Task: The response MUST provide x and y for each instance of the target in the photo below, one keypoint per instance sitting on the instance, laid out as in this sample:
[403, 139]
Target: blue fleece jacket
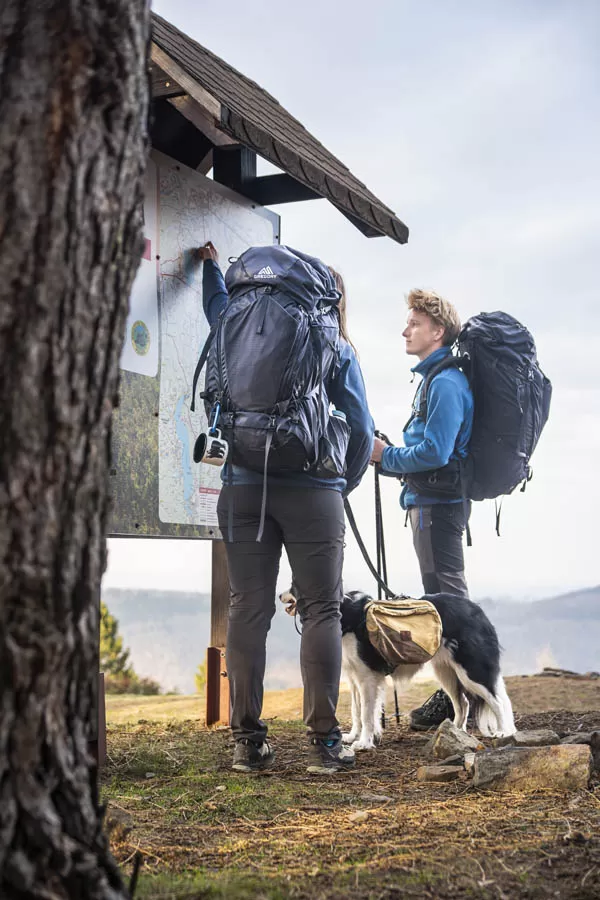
[346, 391]
[444, 436]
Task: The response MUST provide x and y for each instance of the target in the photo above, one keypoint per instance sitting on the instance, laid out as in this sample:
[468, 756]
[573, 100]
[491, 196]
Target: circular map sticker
[140, 337]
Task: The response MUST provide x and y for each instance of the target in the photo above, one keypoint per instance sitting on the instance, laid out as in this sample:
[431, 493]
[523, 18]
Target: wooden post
[217, 685]
[97, 738]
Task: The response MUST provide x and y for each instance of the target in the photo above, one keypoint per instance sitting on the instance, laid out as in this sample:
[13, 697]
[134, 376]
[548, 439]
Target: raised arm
[214, 292]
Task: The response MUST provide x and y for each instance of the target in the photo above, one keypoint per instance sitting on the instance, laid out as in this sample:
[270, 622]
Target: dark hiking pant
[438, 540]
[309, 523]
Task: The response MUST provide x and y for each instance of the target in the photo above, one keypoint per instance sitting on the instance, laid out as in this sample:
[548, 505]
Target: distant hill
[562, 631]
[168, 632]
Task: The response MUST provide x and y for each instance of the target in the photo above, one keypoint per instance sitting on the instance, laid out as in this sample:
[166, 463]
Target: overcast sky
[479, 124]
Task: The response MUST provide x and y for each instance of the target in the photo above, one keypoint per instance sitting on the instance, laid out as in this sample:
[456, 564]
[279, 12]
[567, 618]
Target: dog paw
[348, 737]
[363, 745]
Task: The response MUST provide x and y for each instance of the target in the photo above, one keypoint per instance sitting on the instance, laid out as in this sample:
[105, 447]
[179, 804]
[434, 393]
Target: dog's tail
[493, 714]
[486, 721]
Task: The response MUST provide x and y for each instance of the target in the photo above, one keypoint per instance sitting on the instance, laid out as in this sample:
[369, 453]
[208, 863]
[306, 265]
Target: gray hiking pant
[438, 540]
[309, 522]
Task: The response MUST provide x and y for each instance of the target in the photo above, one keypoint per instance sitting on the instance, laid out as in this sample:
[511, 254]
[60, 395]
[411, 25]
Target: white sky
[479, 124]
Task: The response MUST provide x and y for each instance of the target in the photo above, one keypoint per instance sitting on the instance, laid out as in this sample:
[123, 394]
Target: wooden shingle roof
[254, 118]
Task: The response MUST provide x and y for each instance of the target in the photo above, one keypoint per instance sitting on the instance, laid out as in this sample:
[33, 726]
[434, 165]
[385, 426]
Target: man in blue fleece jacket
[434, 444]
[306, 515]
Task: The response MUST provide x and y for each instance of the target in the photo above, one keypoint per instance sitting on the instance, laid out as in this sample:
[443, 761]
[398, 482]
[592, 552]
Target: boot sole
[328, 770]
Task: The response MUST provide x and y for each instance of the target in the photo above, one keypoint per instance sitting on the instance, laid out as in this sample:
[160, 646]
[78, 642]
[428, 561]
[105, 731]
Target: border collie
[467, 665]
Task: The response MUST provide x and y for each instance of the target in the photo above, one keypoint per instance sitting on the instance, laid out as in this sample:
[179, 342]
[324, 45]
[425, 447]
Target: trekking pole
[382, 567]
[380, 553]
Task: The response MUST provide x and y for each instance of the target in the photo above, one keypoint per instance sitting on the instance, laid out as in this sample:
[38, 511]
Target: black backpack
[511, 398]
[269, 360]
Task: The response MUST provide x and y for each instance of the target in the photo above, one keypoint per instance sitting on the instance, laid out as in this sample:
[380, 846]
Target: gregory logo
[265, 272]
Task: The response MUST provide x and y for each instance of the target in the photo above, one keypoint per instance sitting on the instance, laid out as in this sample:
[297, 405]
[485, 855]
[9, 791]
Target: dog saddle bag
[404, 631]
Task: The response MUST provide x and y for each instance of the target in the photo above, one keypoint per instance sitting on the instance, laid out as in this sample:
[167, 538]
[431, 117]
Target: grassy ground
[372, 834]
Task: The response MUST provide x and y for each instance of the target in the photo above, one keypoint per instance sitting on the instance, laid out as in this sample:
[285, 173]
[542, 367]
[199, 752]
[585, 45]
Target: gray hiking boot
[327, 756]
[432, 713]
[251, 757]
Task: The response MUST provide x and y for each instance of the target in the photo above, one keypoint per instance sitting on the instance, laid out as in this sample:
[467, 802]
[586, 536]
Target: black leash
[389, 593]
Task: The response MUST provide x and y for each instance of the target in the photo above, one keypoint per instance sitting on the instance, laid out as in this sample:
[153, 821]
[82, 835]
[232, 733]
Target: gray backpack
[270, 358]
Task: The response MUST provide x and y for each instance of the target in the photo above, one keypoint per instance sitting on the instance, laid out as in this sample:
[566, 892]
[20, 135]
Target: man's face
[422, 334]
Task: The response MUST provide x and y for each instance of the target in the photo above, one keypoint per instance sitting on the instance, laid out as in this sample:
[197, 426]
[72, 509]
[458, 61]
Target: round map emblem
[140, 337]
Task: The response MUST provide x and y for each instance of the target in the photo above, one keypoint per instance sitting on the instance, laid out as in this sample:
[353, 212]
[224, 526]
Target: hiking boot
[327, 756]
[432, 713]
[251, 757]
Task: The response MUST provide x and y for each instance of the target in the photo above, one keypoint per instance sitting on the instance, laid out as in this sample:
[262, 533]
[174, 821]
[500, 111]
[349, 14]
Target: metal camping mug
[211, 448]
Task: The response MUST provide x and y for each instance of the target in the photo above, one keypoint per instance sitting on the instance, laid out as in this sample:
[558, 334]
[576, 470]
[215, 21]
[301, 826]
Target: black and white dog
[467, 666]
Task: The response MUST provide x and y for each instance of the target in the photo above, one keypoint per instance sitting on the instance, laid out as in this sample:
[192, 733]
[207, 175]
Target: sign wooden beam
[217, 683]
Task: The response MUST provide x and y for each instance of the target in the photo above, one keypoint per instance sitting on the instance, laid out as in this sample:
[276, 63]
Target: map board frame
[182, 210]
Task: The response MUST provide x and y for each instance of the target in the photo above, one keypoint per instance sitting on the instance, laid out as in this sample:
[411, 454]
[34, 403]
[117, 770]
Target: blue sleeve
[445, 413]
[214, 292]
[347, 393]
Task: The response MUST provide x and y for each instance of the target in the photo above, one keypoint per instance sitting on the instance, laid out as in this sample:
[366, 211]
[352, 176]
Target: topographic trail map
[156, 486]
[191, 213]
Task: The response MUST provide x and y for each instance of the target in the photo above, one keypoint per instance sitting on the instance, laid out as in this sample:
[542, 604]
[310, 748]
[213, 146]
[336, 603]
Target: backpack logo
[266, 272]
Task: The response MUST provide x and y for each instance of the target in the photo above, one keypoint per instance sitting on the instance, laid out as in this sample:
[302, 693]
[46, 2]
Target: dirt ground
[371, 834]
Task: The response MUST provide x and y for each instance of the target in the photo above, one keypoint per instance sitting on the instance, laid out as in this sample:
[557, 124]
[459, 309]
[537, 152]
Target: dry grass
[373, 833]
[529, 694]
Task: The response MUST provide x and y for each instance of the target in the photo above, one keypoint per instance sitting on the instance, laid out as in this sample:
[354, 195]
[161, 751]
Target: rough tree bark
[73, 142]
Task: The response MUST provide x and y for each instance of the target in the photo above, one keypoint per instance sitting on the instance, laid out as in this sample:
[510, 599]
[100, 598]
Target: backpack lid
[502, 332]
[303, 278]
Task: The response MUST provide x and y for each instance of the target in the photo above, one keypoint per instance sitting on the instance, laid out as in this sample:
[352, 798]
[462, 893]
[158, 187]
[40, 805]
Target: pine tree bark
[73, 142]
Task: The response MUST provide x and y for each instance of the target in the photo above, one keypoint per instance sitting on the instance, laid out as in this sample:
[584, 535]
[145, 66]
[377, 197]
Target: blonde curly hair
[441, 311]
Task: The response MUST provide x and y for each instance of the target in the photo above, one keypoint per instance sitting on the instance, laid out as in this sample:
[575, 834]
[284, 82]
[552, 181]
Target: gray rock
[451, 741]
[360, 816]
[580, 737]
[456, 760]
[438, 773]
[368, 797]
[565, 767]
[544, 737]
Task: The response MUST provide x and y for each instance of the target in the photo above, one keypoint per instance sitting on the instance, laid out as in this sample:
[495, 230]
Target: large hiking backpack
[271, 355]
[511, 398]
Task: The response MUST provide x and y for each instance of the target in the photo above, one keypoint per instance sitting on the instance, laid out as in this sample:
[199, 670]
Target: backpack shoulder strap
[201, 361]
[450, 362]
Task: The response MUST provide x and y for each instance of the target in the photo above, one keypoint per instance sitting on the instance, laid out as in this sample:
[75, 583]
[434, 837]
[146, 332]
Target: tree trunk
[73, 142]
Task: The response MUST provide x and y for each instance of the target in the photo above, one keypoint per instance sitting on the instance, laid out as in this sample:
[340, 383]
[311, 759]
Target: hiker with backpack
[470, 436]
[285, 391]
[429, 463]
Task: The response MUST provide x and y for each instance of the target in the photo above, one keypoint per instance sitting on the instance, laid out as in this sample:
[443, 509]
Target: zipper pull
[265, 303]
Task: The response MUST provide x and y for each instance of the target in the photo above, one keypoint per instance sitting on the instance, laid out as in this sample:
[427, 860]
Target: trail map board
[157, 490]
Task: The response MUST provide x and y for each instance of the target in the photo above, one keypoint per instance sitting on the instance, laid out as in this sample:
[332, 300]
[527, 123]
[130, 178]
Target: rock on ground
[564, 767]
[451, 741]
[544, 737]
[438, 773]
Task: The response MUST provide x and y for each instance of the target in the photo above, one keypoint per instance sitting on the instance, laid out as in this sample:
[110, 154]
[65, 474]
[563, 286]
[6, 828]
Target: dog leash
[389, 593]
[379, 573]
